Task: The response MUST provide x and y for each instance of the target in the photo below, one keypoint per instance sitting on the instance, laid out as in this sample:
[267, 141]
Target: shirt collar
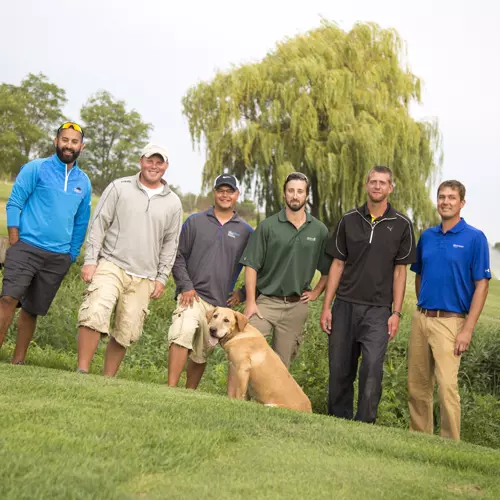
[166, 188]
[459, 226]
[389, 212]
[235, 218]
[283, 218]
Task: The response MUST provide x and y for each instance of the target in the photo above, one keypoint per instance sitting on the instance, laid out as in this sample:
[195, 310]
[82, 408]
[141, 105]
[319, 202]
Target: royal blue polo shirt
[449, 264]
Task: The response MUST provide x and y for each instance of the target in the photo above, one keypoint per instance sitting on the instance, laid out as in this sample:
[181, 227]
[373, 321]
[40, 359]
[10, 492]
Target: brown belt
[433, 313]
[285, 299]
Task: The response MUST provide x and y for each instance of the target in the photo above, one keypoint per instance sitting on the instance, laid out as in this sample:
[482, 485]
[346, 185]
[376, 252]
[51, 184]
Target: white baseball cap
[154, 149]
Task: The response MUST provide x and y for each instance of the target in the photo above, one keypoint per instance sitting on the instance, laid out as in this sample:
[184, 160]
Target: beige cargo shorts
[112, 287]
[189, 329]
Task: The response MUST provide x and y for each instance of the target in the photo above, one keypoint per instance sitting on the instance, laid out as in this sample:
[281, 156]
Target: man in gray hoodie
[131, 248]
[205, 272]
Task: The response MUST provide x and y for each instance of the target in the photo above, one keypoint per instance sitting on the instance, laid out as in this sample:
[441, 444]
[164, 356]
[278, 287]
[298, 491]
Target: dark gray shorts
[33, 276]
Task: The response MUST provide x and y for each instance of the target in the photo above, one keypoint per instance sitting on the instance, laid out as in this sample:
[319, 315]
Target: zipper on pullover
[374, 224]
[66, 176]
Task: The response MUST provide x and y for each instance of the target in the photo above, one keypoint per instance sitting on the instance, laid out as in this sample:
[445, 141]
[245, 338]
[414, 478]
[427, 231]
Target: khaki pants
[189, 329]
[112, 287]
[287, 319]
[430, 359]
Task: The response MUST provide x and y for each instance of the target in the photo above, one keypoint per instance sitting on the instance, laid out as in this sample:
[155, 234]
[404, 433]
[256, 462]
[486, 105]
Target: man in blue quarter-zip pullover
[205, 271]
[371, 247]
[47, 216]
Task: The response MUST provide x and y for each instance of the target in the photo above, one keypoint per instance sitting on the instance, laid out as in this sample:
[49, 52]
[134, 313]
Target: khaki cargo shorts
[189, 329]
[111, 286]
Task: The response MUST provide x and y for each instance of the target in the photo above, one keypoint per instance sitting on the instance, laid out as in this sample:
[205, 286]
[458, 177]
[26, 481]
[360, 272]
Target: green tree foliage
[29, 117]
[328, 103]
[114, 138]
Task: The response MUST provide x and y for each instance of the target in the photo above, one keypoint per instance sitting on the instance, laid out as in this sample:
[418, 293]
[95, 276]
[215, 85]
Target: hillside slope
[65, 435]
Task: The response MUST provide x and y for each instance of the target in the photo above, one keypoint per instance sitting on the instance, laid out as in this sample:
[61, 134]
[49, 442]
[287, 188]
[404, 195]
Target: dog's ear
[241, 321]
[210, 313]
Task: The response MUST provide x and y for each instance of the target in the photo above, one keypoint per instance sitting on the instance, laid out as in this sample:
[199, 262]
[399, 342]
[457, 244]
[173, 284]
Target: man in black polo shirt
[281, 258]
[371, 247]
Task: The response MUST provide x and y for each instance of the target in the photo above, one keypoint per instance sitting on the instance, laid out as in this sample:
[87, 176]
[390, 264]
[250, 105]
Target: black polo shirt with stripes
[370, 251]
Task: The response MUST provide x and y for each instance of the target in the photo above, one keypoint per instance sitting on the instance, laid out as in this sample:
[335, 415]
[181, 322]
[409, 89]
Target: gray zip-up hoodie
[208, 256]
[138, 234]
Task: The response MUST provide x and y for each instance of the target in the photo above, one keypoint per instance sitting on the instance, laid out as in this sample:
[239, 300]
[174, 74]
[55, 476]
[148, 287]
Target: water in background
[495, 262]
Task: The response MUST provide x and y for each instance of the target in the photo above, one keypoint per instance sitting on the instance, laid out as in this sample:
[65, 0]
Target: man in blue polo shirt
[453, 272]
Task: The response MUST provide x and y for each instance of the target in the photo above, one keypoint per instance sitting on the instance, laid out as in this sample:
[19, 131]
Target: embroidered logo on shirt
[311, 238]
[390, 228]
[457, 246]
[77, 190]
[233, 234]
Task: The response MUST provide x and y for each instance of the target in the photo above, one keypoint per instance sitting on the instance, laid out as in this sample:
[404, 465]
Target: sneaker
[79, 370]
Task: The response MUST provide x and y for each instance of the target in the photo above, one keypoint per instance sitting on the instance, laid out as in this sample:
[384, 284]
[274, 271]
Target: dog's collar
[223, 340]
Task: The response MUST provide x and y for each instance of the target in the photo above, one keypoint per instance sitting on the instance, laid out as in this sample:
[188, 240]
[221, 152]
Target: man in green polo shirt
[281, 258]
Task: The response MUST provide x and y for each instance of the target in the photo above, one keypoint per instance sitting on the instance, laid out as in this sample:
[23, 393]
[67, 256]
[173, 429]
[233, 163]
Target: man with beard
[451, 283]
[205, 272]
[131, 248]
[281, 258]
[47, 217]
[371, 247]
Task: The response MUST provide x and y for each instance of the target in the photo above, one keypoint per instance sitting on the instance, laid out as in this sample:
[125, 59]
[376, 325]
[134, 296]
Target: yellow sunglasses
[72, 125]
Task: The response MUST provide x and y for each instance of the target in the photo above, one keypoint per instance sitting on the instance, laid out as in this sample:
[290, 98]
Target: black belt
[285, 298]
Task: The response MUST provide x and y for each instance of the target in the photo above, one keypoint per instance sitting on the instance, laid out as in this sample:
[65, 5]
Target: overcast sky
[150, 52]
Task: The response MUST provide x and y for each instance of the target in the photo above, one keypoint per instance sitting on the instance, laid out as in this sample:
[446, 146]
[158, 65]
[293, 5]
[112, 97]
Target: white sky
[150, 52]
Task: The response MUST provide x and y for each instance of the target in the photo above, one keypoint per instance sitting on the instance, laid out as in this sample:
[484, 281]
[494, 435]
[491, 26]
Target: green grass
[5, 189]
[69, 436]
[492, 307]
[65, 435]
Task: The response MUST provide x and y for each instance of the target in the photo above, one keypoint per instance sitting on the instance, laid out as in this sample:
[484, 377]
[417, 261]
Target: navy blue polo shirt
[449, 264]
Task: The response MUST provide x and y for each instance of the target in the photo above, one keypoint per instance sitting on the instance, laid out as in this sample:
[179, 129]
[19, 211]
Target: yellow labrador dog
[256, 366]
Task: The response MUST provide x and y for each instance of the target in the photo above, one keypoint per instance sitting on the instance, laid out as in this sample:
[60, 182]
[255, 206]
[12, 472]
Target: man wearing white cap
[130, 250]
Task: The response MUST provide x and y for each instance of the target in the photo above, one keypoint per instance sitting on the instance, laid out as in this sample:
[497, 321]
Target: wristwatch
[397, 313]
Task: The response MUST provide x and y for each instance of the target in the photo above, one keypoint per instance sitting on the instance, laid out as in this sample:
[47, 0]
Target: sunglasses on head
[72, 125]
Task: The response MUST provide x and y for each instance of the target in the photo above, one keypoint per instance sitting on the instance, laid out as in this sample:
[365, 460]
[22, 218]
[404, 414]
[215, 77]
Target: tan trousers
[111, 286]
[430, 359]
[286, 319]
[189, 329]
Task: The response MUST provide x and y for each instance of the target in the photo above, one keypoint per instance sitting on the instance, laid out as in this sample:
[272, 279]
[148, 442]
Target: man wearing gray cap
[131, 248]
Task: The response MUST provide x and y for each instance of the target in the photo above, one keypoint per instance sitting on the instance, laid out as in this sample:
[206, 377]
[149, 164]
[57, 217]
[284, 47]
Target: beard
[67, 158]
[295, 206]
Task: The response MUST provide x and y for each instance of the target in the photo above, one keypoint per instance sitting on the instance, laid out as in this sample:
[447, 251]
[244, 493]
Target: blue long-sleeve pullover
[51, 205]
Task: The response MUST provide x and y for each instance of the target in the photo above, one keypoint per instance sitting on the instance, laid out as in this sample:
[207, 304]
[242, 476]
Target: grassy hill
[69, 436]
[65, 435]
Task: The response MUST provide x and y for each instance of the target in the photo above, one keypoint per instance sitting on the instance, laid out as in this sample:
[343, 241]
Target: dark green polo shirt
[285, 257]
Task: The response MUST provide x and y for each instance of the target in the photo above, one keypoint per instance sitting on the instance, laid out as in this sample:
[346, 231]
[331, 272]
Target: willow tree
[328, 103]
